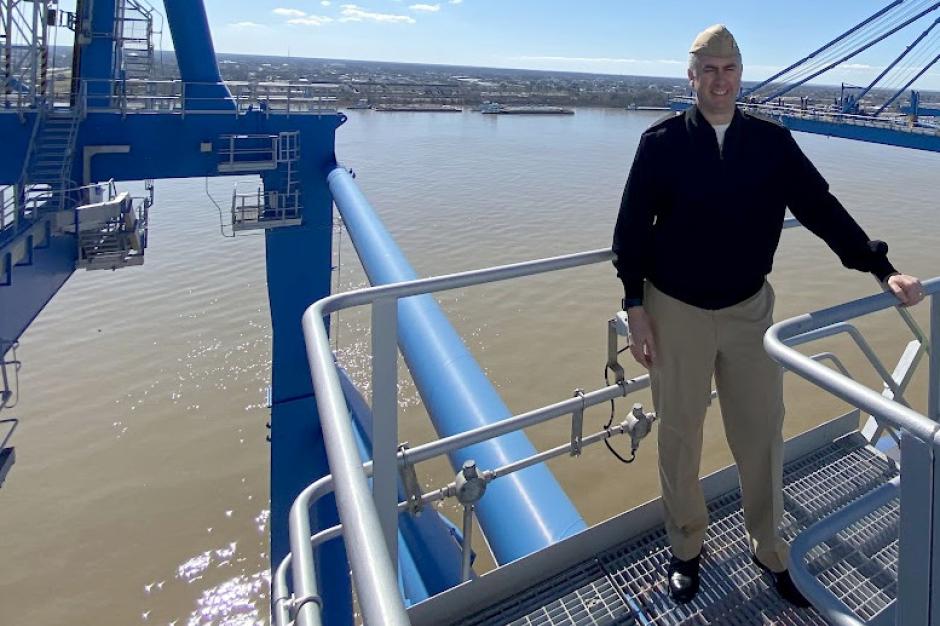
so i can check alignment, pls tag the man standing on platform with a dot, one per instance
(699, 223)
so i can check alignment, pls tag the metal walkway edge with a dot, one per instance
(625, 585)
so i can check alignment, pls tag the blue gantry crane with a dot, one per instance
(867, 112)
(73, 134)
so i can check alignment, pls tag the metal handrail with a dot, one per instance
(855, 394)
(924, 429)
(373, 571)
(175, 96)
(269, 207)
(364, 545)
(8, 214)
(846, 328)
(299, 514)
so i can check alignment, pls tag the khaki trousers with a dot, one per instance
(692, 345)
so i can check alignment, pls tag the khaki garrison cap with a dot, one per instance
(715, 41)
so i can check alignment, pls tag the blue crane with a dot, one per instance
(70, 140)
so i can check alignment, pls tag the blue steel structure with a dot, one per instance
(185, 141)
(109, 127)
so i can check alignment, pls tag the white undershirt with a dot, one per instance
(720, 133)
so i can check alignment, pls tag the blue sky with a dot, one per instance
(610, 36)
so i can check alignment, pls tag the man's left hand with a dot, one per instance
(907, 289)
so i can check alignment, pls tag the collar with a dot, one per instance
(700, 129)
(696, 122)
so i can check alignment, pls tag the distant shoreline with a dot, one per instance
(223, 56)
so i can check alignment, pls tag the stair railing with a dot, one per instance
(918, 561)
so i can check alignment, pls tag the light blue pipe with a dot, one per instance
(521, 513)
(195, 55)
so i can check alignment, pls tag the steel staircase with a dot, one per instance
(27, 222)
(134, 31)
(48, 171)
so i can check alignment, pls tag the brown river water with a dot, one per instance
(140, 493)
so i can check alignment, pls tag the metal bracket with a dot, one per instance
(410, 480)
(577, 424)
(612, 363)
(298, 603)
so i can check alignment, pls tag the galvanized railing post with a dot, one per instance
(905, 314)
(385, 419)
(19, 197)
(34, 52)
(372, 569)
(915, 532)
(932, 519)
(933, 391)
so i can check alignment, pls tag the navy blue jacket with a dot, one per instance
(703, 224)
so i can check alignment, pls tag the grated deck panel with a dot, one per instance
(626, 585)
(583, 595)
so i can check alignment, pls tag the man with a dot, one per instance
(699, 223)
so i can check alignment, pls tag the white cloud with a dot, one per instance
(289, 12)
(856, 66)
(245, 25)
(310, 20)
(426, 8)
(456, 1)
(325, 3)
(354, 13)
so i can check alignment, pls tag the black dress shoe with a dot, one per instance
(784, 585)
(683, 579)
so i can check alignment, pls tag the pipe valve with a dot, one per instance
(470, 484)
(638, 424)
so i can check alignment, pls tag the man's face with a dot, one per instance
(716, 81)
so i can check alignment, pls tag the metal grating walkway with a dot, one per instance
(625, 585)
